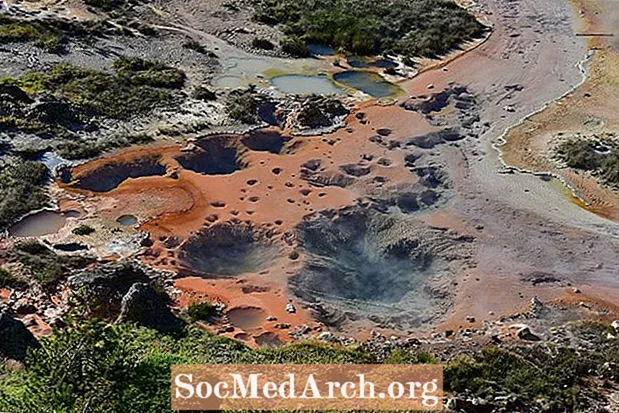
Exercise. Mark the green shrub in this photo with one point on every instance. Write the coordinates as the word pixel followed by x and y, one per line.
pixel 14 30
pixel 243 107
pixel 294 46
pixel 83 230
pixel 8 280
pixel 201 311
pixel 135 88
pixel 95 367
pixel 148 73
pixel 410 28
pixel 22 184
pixel 260 43
pixel 584 154
pixel 203 93
pixel 45 266
pixel 78 149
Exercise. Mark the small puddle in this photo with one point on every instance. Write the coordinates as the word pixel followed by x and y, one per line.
pixel 320 50
pixel 246 318
pixel 361 62
pixel 367 82
pixel 38 224
pixel 71 247
pixel 306 85
pixel 127 220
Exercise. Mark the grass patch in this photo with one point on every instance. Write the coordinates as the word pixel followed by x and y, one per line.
pixel 135 87
pixel 22 189
pixel 426 28
pixel 8 280
pixel 243 107
pixel 45 266
pixel 14 30
pixel 598 156
pixel 74 96
pixel 124 368
pixel 83 230
pixel 202 311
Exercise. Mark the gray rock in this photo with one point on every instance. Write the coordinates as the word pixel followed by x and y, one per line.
pixel 144 306
pixel 15 339
pixel 525 334
pixel 326 336
pixel 104 287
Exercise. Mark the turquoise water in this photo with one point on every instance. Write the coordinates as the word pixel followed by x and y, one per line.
pixel 306 85
pixel 320 50
pixel 367 82
pixel 363 62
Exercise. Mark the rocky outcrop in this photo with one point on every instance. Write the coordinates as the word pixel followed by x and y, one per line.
pixel 144 306
pixel 15 339
pixel 102 288
pixel 317 112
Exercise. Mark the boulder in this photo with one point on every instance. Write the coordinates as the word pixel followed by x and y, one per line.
pixel 524 332
pixel 144 306
pixel 15 339
pixel 102 288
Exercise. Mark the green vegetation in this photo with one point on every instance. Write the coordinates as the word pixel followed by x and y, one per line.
pixel 260 43
pixel 201 311
pixel 14 30
pixel 83 230
pixel 243 107
pixel 135 88
pixel 45 266
pixel 8 280
pixel 410 28
pixel 81 148
pixel 22 189
pixel 70 97
pixel 95 367
pixel 599 157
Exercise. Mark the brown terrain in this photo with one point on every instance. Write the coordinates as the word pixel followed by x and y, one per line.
pixel 405 219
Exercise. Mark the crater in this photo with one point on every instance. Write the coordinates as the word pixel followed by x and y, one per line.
pixel 264 141
pixel 215 155
pixel 373 266
pixel 127 220
pixel 110 175
pixel 228 249
pixel 246 318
